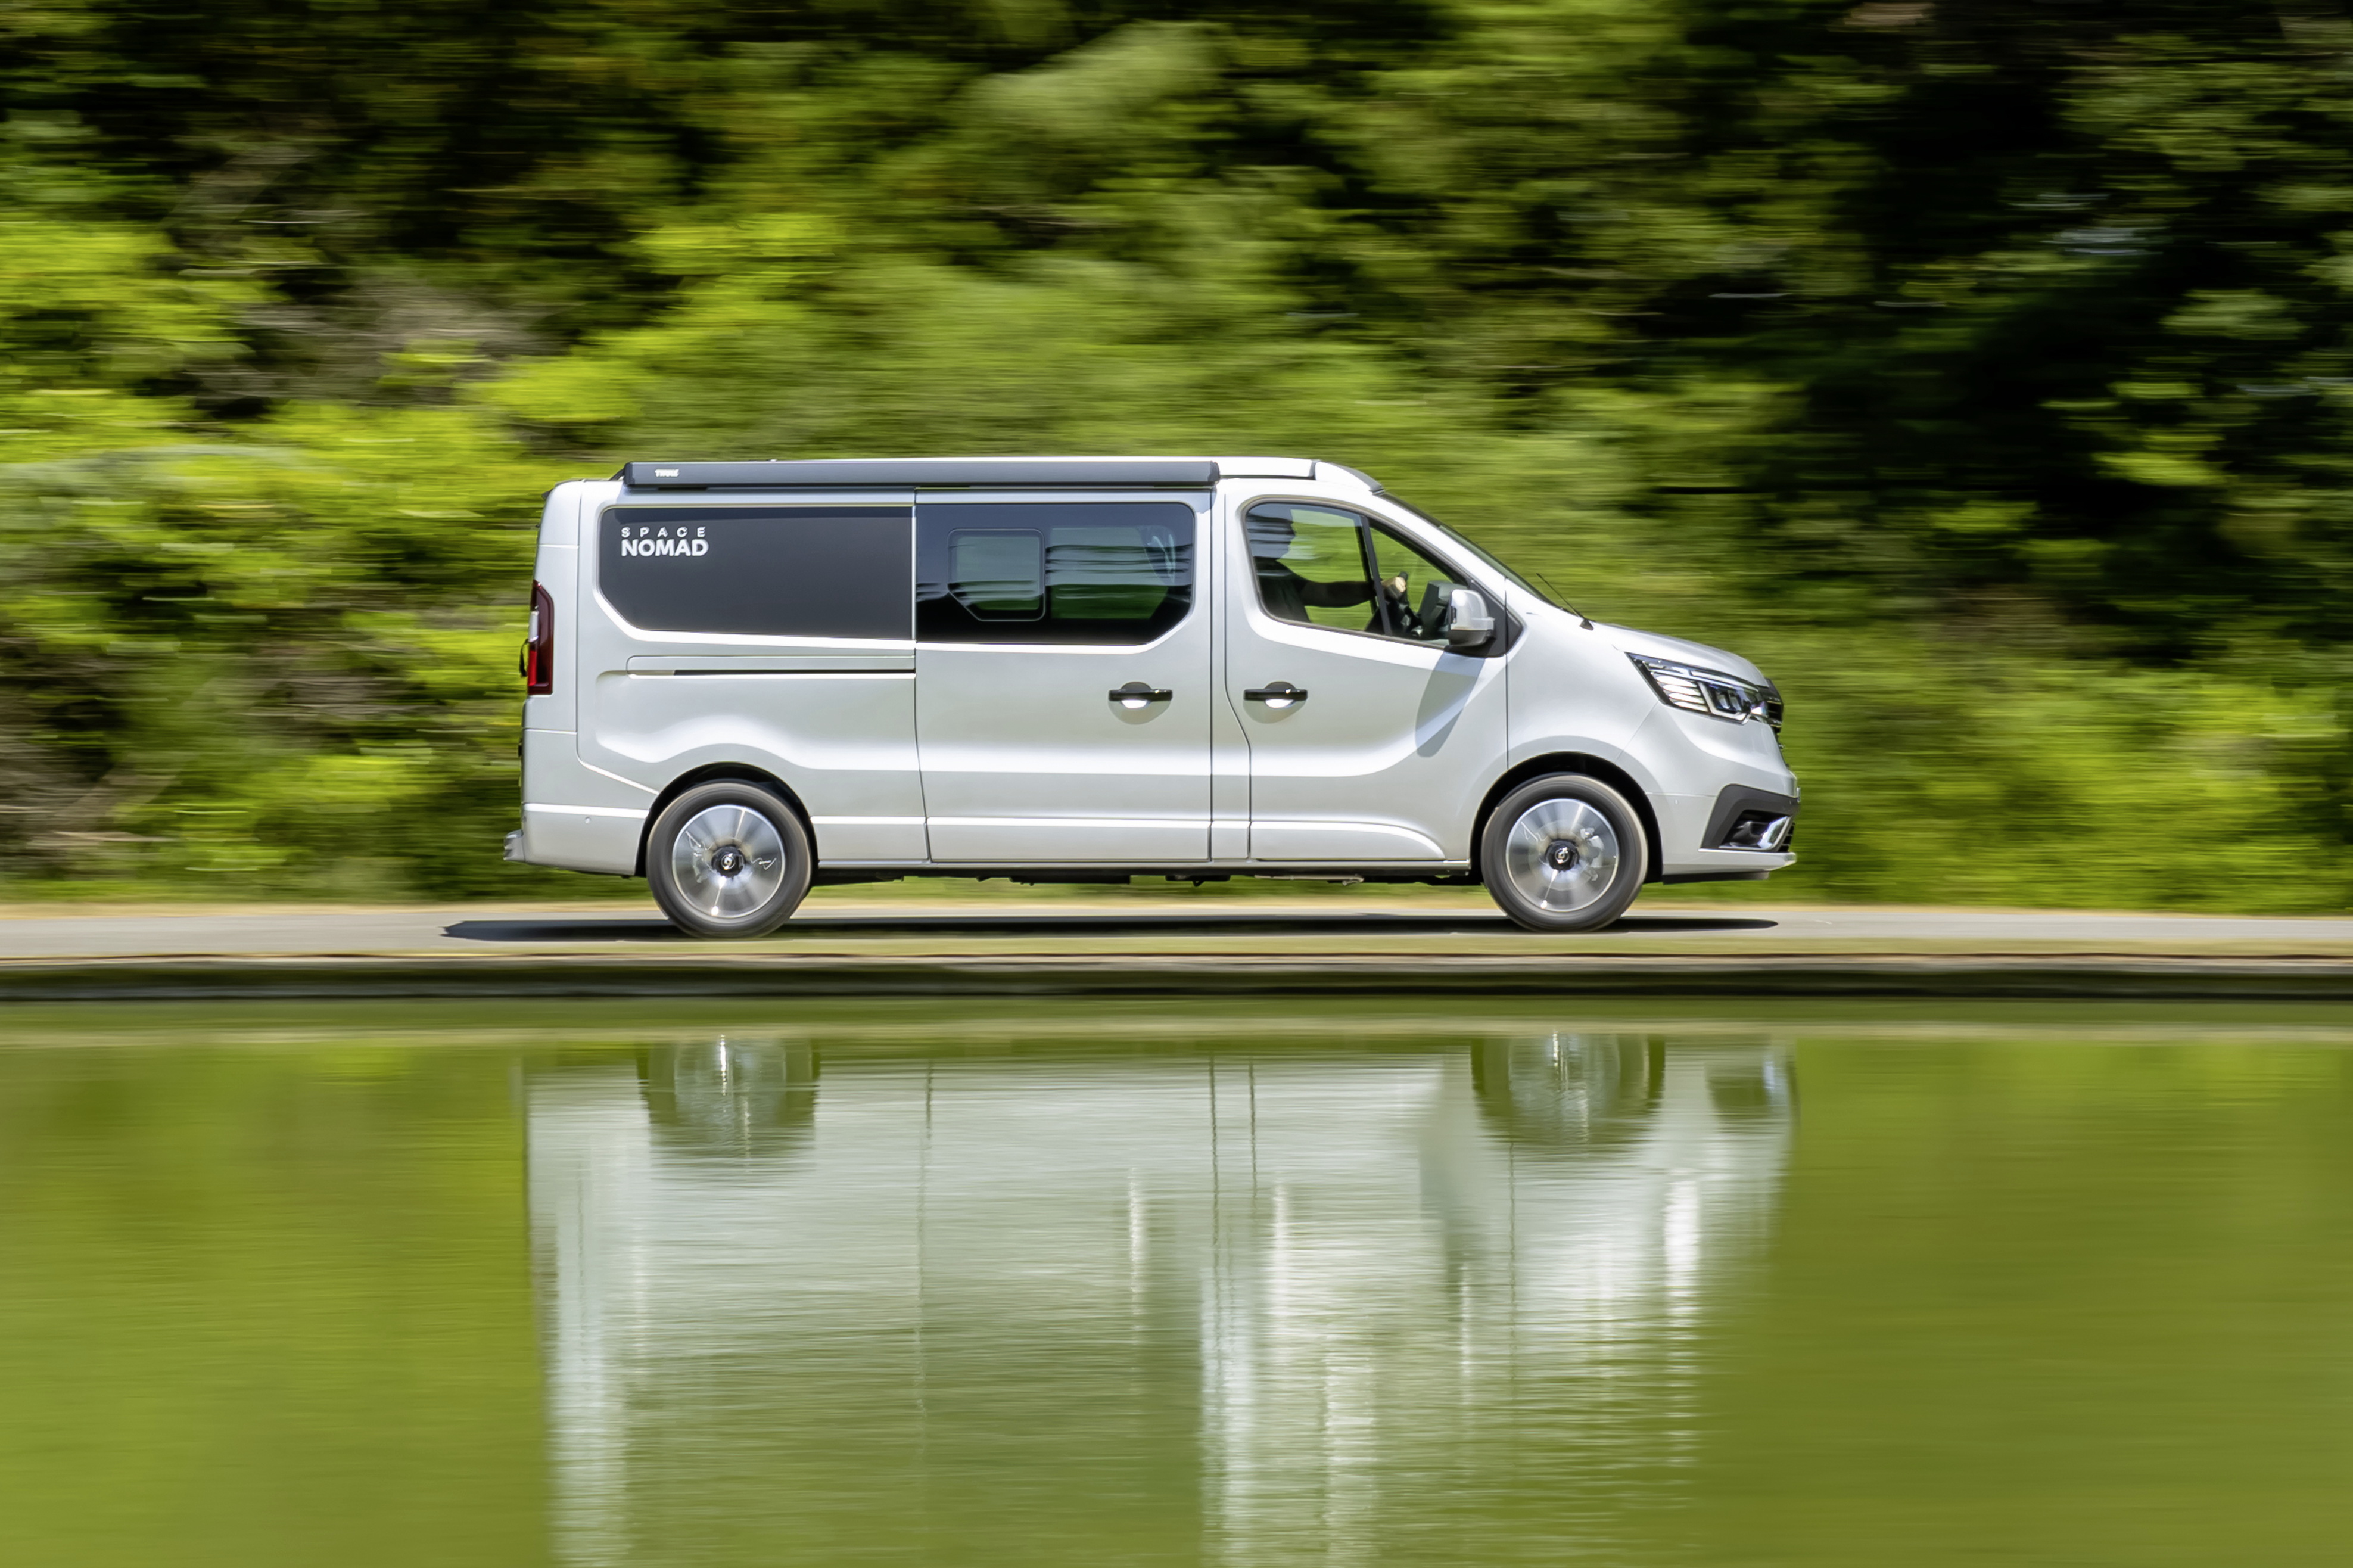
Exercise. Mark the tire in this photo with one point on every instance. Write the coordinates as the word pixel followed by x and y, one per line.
pixel 1564 853
pixel 728 859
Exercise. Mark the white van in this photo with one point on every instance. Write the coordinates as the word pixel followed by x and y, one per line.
pixel 746 677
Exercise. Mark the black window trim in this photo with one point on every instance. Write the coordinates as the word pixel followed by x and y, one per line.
pixel 942 645
pixel 1064 474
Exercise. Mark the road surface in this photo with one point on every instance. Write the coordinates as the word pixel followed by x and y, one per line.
pixel 1265 929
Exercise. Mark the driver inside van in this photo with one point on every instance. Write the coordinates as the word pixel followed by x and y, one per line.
pixel 1288 596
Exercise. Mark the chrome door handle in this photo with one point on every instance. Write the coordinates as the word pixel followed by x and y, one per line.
pixel 1136 694
pixel 1282 692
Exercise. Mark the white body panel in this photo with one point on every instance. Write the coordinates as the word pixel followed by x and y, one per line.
pixel 573 816
pixel 907 755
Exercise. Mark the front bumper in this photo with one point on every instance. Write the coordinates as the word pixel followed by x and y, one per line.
pixel 1747 818
pixel 1697 835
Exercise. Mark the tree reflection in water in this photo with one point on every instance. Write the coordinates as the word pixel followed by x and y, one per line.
pixel 1262 1305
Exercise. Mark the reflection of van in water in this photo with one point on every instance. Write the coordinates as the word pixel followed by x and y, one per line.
pixel 745 677
pixel 1318 1300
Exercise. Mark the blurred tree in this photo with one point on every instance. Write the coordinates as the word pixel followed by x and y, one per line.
pixel 1981 365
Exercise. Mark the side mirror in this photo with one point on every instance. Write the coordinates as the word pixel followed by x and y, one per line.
pixel 1470 624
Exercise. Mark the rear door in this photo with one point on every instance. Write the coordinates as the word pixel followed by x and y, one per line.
pixel 1062 684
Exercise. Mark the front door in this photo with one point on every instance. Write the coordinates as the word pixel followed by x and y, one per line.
pixel 1062 679
pixel 1369 739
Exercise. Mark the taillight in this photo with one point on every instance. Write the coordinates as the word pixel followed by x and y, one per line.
pixel 539 645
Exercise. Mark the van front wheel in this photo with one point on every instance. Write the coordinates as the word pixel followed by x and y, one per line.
pixel 728 860
pixel 1564 853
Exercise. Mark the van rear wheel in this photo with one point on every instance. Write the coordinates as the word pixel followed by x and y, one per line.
pixel 1564 853
pixel 728 859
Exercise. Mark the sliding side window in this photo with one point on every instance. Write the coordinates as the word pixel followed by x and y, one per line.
pixel 1107 574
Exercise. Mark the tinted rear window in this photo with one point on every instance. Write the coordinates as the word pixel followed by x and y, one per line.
pixel 1115 573
pixel 761 571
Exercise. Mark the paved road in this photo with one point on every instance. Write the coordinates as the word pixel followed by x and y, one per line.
pixel 1273 929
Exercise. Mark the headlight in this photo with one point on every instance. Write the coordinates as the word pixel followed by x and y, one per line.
pixel 1710 692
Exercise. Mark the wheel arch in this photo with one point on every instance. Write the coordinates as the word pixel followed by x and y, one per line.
pixel 713 773
pixel 1595 768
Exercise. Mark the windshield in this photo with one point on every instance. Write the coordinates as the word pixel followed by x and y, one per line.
pixel 1485 558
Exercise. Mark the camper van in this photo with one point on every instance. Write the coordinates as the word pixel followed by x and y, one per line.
pixel 746 678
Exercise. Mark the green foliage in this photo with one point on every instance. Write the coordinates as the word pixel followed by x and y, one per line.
pixel 1985 377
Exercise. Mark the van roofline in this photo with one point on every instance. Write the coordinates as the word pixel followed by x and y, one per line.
pixel 974 472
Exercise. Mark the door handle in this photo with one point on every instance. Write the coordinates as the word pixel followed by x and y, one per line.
pixel 1282 694
pixel 1136 694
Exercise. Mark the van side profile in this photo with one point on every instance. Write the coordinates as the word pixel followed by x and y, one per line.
pixel 746 678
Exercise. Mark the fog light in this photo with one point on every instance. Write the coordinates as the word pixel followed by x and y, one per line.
pixel 1757 830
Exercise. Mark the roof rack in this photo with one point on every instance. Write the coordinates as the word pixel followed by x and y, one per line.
pixel 908 473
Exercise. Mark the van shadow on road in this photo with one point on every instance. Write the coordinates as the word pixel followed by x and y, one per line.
pixel 637 928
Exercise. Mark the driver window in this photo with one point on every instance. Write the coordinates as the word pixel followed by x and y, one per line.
pixel 1311 566
pixel 1417 593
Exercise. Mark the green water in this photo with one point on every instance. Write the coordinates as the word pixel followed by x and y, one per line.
pixel 1157 1285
